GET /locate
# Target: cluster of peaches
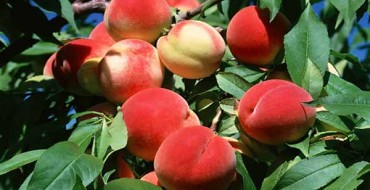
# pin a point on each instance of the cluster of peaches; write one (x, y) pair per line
(124, 60)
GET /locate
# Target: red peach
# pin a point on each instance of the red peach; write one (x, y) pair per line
(106, 108)
(123, 168)
(150, 116)
(152, 178)
(69, 59)
(253, 39)
(100, 34)
(183, 5)
(273, 112)
(195, 158)
(128, 67)
(192, 49)
(133, 19)
(48, 67)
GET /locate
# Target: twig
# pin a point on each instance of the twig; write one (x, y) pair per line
(80, 7)
(216, 119)
(191, 13)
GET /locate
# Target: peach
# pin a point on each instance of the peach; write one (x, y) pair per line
(133, 19)
(128, 67)
(150, 116)
(123, 168)
(48, 67)
(253, 39)
(87, 76)
(183, 5)
(192, 49)
(69, 59)
(273, 112)
(195, 158)
(152, 178)
(100, 33)
(106, 108)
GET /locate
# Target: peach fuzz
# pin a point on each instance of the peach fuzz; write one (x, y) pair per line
(152, 178)
(273, 112)
(195, 158)
(144, 19)
(183, 5)
(48, 67)
(123, 168)
(251, 37)
(150, 116)
(69, 59)
(100, 33)
(87, 76)
(192, 49)
(128, 67)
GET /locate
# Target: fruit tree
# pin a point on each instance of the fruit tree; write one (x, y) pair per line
(185, 94)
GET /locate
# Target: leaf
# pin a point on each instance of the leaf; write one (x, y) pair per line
(41, 48)
(346, 56)
(242, 170)
(303, 146)
(312, 80)
(227, 105)
(251, 75)
(312, 173)
(19, 160)
(58, 167)
(272, 5)
(232, 84)
(270, 181)
(83, 134)
(227, 127)
(67, 13)
(355, 103)
(332, 120)
(25, 183)
(347, 11)
(308, 41)
(131, 184)
(349, 179)
(338, 86)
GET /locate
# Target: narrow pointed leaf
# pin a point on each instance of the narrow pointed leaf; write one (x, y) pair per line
(272, 5)
(312, 80)
(347, 11)
(20, 160)
(242, 170)
(232, 84)
(131, 184)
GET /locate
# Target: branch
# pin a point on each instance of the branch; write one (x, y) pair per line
(191, 13)
(80, 7)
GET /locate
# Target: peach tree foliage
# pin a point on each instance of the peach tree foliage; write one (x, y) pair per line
(42, 146)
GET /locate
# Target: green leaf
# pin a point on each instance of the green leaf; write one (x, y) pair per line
(272, 5)
(131, 184)
(347, 11)
(227, 127)
(270, 181)
(303, 146)
(41, 48)
(307, 42)
(338, 86)
(83, 134)
(67, 13)
(350, 178)
(58, 167)
(356, 103)
(346, 56)
(25, 183)
(242, 170)
(251, 75)
(227, 105)
(312, 80)
(312, 173)
(331, 122)
(19, 160)
(232, 84)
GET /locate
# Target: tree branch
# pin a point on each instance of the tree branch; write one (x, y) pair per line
(80, 7)
(191, 13)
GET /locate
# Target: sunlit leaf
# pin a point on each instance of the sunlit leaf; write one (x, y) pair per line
(131, 184)
(232, 84)
(19, 160)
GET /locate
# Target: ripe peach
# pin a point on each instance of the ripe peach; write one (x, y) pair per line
(152, 178)
(195, 158)
(150, 116)
(273, 112)
(128, 67)
(253, 39)
(183, 5)
(123, 168)
(87, 76)
(144, 19)
(192, 49)
(106, 108)
(100, 33)
(69, 59)
(48, 70)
